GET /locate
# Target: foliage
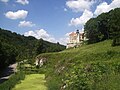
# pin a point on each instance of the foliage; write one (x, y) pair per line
(11, 82)
(105, 26)
(44, 46)
(14, 47)
(8, 55)
(116, 41)
(89, 67)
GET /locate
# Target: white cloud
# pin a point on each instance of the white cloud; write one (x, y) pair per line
(5, 1)
(41, 33)
(26, 24)
(82, 19)
(79, 5)
(65, 9)
(20, 14)
(23, 2)
(105, 7)
(115, 4)
(64, 40)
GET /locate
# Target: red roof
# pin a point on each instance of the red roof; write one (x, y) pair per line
(72, 34)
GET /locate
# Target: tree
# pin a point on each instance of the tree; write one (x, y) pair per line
(115, 26)
(105, 26)
(91, 31)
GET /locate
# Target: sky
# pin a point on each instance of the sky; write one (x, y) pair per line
(52, 20)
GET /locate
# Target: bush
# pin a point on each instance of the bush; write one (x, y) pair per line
(12, 81)
(116, 42)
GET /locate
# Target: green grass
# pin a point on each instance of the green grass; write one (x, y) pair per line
(32, 82)
(84, 68)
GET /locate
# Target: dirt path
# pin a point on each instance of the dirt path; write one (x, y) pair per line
(8, 71)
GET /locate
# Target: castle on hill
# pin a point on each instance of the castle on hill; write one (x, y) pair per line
(76, 39)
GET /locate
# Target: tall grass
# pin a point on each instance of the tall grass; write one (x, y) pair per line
(89, 67)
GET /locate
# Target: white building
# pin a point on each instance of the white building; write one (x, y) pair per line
(75, 39)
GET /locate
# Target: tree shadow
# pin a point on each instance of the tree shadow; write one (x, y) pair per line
(6, 74)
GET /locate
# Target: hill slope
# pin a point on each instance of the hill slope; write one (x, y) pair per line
(90, 67)
(14, 45)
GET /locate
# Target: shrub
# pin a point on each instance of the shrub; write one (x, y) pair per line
(116, 42)
(11, 82)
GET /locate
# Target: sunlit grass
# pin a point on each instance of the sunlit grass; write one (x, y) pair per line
(99, 56)
(32, 82)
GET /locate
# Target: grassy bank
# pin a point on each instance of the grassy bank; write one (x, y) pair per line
(32, 82)
(90, 67)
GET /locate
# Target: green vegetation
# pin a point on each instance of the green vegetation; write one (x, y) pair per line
(18, 48)
(105, 26)
(7, 55)
(45, 47)
(32, 82)
(14, 47)
(13, 80)
(90, 67)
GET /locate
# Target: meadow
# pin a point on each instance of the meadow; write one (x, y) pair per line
(89, 67)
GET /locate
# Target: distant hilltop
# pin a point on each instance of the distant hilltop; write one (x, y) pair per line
(76, 39)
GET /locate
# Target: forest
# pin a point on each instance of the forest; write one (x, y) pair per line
(105, 26)
(15, 47)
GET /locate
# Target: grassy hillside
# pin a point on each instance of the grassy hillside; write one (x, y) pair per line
(90, 67)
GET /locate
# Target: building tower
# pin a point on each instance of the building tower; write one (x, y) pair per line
(75, 39)
(78, 36)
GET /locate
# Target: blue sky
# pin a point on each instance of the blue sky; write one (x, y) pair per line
(51, 20)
